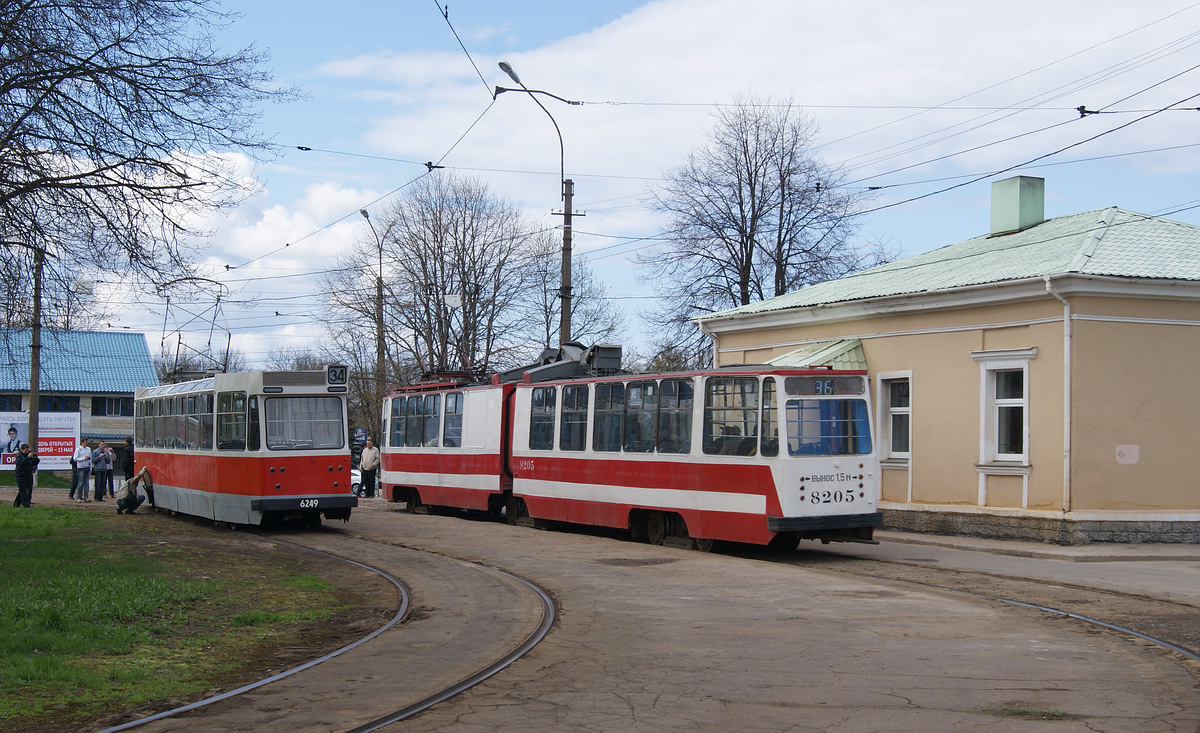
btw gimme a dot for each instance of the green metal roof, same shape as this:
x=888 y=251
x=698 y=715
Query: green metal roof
x=838 y=353
x=1105 y=242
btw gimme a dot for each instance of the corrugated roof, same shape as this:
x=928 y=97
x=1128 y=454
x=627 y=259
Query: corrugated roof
x=837 y=353
x=78 y=362
x=1111 y=242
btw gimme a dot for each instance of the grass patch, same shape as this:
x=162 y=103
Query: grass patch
x=45 y=480
x=1027 y=712
x=99 y=615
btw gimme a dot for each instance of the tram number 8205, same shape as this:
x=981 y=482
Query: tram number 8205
x=831 y=497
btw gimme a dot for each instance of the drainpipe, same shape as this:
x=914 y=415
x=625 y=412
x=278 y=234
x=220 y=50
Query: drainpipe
x=1066 y=499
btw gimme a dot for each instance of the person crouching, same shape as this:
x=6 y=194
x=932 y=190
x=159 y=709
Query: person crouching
x=128 y=498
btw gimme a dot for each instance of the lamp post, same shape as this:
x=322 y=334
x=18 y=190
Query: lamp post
x=379 y=375
x=568 y=189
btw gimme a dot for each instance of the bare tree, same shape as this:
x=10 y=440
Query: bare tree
x=116 y=120
x=753 y=214
x=295 y=358
x=594 y=318
x=453 y=257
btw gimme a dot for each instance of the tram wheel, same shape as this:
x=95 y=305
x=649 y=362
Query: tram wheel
x=704 y=544
x=514 y=509
x=656 y=528
x=412 y=500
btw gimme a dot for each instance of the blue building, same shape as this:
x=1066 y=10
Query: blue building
x=93 y=373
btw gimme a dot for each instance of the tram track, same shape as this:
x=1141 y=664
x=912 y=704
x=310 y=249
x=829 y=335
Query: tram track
x=1169 y=625
x=409 y=709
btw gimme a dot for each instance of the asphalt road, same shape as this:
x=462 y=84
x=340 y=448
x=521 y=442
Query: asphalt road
x=833 y=638
x=655 y=638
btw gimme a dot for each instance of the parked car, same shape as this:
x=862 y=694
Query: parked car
x=355 y=482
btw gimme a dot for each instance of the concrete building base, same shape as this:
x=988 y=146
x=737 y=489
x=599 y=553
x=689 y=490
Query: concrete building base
x=1060 y=531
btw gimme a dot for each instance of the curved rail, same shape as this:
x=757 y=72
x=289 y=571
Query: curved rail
x=405 y=597
x=1056 y=611
x=543 y=628
x=470 y=681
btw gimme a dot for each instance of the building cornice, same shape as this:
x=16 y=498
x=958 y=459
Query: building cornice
x=975 y=296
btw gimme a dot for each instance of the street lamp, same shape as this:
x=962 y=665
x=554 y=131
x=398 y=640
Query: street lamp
x=379 y=376
x=568 y=189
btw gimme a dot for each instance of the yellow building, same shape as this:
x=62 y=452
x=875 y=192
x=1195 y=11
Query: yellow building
x=1039 y=382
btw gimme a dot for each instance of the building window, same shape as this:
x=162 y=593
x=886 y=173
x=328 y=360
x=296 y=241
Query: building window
x=10 y=403
x=58 y=403
x=112 y=406
x=897 y=426
x=1008 y=408
x=1004 y=405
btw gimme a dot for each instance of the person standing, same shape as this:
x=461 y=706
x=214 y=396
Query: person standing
x=368 y=464
x=102 y=465
x=127 y=461
x=24 y=467
x=83 y=469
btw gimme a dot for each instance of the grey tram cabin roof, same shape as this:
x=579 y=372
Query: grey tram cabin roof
x=1108 y=242
x=78 y=362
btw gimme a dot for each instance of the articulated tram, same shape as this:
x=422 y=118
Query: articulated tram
x=248 y=447
x=754 y=454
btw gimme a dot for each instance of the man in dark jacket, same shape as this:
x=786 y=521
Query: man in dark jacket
x=23 y=469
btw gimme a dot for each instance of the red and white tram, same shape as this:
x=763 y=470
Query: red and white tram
x=754 y=454
x=248 y=446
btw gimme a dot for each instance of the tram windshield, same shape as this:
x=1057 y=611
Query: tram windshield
x=817 y=427
x=304 y=423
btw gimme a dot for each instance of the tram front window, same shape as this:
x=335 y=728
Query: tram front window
x=828 y=427
x=304 y=423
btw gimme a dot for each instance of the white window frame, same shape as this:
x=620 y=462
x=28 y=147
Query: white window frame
x=883 y=382
x=990 y=363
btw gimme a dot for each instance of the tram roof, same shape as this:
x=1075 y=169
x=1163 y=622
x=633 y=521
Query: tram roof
x=79 y=362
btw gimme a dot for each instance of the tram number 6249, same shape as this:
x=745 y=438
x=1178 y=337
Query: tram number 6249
x=831 y=497
x=309 y=503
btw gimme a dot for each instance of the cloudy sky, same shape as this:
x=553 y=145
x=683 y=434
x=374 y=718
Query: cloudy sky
x=928 y=100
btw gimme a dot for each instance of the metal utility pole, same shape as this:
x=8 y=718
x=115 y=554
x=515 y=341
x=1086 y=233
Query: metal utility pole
x=35 y=351
x=379 y=351
x=564 y=321
x=568 y=190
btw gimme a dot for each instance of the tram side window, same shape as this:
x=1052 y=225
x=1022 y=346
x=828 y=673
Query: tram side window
x=573 y=433
x=731 y=416
x=432 y=420
x=413 y=420
x=192 y=423
x=828 y=427
x=252 y=439
x=770 y=419
x=177 y=423
x=541 y=419
x=641 y=415
x=159 y=428
x=206 y=421
x=675 y=404
x=396 y=436
x=452 y=437
x=231 y=421
x=609 y=418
